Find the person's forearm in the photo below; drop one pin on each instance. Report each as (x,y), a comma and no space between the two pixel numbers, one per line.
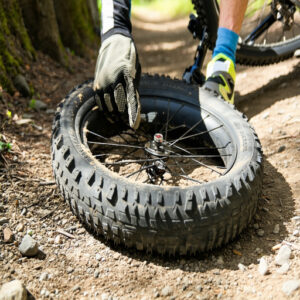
(232,14)
(115,17)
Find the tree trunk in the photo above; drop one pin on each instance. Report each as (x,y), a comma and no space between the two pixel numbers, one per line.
(45,25)
(14,42)
(75,25)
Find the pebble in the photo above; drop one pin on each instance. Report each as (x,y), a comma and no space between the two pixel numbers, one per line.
(45,292)
(220,260)
(28,246)
(290,286)
(281,148)
(8,235)
(242,267)
(189,295)
(13,290)
(104,296)
(76,288)
(296,232)
(263,267)
(266,115)
(21,85)
(40,105)
(166,291)
(260,232)
(4,221)
(44,276)
(20,227)
(283,255)
(199,288)
(255,226)
(96,274)
(284,268)
(297,53)
(276,229)
(98,256)
(69,270)
(58,240)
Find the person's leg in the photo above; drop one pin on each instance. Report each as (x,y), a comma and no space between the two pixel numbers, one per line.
(221,70)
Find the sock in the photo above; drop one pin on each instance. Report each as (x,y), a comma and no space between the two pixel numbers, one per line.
(226,43)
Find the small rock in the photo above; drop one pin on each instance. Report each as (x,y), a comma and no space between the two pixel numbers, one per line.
(69,270)
(297,53)
(220,260)
(8,235)
(13,290)
(76,288)
(284,268)
(28,246)
(58,240)
(276,229)
(189,295)
(283,255)
(39,105)
(96,274)
(199,288)
(296,218)
(266,115)
(290,286)
(4,221)
(44,276)
(260,232)
(104,296)
(242,267)
(296,232)
(98,256)
(20,227)
(256,226)
(166,291)
(263,267)
(21,85)
(281,148)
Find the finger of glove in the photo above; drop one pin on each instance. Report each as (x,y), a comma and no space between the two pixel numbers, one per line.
(133,102)
(120,97)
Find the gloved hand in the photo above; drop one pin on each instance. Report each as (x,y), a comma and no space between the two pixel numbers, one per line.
(117,76)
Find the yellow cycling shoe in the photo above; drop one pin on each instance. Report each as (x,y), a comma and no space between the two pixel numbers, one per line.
(220,77)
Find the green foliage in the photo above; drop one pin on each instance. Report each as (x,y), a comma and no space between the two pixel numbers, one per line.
(172,8)
(32,103)
(5,147)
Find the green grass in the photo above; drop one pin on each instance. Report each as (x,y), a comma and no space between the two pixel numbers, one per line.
(172,8)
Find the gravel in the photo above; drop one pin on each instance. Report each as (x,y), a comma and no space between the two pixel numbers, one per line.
(290,286)
(13,290)
(166,291)
(8,235)
(28,246)
(276,229)
(283,255)
(4,221)
(263,267)
(284,268)
(260,232)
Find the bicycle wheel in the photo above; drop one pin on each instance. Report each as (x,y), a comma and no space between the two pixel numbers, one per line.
(186,181)
(273,45)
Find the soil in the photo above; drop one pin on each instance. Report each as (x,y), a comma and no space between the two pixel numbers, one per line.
(83,266)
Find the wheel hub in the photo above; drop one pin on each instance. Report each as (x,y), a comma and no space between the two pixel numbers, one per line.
(157,147)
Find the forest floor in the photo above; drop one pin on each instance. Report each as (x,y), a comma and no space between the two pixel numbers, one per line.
(85,267)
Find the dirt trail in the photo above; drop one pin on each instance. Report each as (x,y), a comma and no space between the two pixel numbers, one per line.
(90,268)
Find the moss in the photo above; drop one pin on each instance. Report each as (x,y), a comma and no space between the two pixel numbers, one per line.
(18,27)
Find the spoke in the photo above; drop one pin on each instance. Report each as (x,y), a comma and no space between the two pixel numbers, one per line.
(177,127)
(198,156)
(180,167)
(99,135)
(189,130)
(116,144)
(140,170)
(176,112)
(208,148)
(184,176)
(193,135)
(167,124)
(197,161)
(130,161)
